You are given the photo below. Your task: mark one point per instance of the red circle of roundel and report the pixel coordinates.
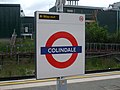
(50, 42)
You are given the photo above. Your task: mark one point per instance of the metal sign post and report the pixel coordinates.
(61, 83)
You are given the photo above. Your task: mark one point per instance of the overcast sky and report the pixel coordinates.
(29, 6)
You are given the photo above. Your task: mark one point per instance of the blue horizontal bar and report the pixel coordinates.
(61, 50)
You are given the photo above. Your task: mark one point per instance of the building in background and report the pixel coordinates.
(27, 27)
(115, 5)
(116, 8)
(103, 17)
(13, 19)
(10, 20)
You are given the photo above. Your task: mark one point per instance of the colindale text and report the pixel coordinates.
(62, 50)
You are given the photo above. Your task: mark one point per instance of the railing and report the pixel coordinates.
(89, 47)
(102, 47)
(99, 56)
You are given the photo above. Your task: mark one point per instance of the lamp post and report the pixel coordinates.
(117, 10)
(112, 7)
(117, 21)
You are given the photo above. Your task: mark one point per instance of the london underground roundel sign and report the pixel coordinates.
(49, 49)
(60, 44)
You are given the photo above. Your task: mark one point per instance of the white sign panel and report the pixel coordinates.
(60, 44)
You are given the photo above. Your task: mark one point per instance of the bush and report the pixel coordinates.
(95, 33)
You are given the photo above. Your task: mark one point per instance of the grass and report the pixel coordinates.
(22, 45)
(23, 67)
(3, 46)
(26, 66)
(25, 45)
(11, 67)
(101, 64)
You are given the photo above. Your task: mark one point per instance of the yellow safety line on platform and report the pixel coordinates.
(94, 75)
(24, 82)
(68, 78)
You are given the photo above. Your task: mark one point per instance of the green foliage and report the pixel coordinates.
(22, 45)
(114, 37)
(25, 45)
(3, 46)
(95, 33)
(101, 63)
(12, 68)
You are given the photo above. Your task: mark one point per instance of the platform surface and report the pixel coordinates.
(96, 81)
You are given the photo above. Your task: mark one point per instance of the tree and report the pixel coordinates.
(95, 33)
(114, 37)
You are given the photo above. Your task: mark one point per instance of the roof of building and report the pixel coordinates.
(9, 5)
(87, 7)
